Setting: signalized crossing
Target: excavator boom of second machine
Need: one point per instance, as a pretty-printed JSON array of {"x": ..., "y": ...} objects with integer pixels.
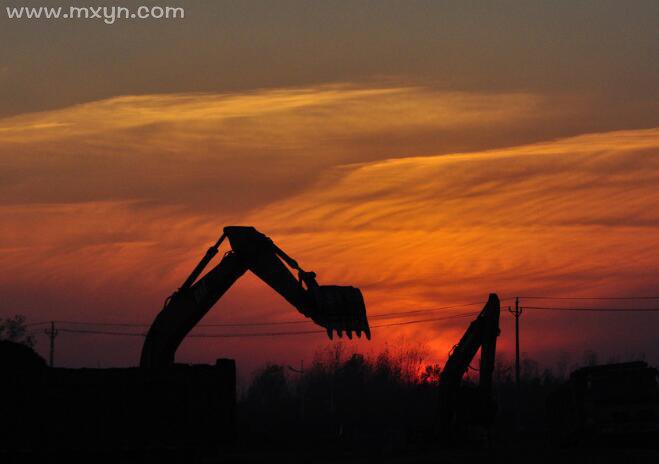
[
  {"x": 481, "y": 334},
  {"x": 336, "y": 308}
]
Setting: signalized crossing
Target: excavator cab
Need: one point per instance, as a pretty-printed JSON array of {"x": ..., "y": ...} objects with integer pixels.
[{"x": 333, "y": 307}]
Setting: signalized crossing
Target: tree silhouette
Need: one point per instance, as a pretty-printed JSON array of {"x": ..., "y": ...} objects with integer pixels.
[{"x": 14, "y": 329}]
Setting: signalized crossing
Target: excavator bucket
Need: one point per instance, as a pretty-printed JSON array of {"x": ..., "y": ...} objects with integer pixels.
[{"x": 342, "y": 309}]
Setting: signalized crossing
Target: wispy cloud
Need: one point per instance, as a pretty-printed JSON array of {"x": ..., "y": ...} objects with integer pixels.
[
  {"x": 203, "y": 150},
  {"x": 577, "y": 216}
]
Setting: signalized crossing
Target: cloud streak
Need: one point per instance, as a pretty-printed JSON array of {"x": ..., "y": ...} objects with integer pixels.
[
  {"x": 205, "y": 150},
  {"x": 577, "y": 216}
]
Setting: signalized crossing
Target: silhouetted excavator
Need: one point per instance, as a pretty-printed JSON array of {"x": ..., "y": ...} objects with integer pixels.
[
  {"x": 460, "y": 407},
  {"x": 179, "y": 407},
  {"x": 333, "y": 307}
]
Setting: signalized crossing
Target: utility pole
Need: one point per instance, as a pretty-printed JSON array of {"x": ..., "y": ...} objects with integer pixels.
[
  {"x": 517, "y": 312},
  {"x": 52, "y": 333}
]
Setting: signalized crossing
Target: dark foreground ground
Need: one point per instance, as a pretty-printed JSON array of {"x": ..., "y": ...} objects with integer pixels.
[
  {"x": 344, "y": 408},
  {"x": 582, "y": 455}
]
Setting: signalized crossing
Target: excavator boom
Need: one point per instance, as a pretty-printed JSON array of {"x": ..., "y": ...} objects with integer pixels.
[
  {"x": 482, "y": 334},
  {"x": 339, "y": 308}
]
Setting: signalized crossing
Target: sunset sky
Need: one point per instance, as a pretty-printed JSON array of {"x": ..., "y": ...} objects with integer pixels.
[{"x": 427, "y": 152}]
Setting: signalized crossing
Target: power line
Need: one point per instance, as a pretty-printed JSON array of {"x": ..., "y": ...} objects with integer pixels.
[
  {"x": 92, "y": 328},
  {"x": 305, "y": 332},
  {"x": 99, "y": 324},
  {"x": 391, "y": 315},
  {"x": 377, "y": 316},
  {"x": 418, "y": 311},
  {"x": 103, "y": 332},
  {"x": 619, "y": 310},
  {"x": 266, "y": 334},
  {"x": 606, "y": 298},
  {"x": 32, "y": 324},
  {"x": 454, "y": 316}
]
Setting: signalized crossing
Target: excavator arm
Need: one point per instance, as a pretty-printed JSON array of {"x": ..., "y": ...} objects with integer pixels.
[
  {"x": 482, "y": 334},
  {"x": 333, "y": 307}
]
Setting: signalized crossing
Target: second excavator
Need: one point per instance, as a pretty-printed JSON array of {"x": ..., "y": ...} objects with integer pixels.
[
  {"x": 336, "y": 308},
  {"x": 463, "y": 406}
]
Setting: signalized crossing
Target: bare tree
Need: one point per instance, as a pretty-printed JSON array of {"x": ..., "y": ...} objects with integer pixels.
[{"x": 14, "y": 329}]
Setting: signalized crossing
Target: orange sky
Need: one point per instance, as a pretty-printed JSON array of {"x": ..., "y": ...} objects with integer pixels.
[
  {"x": 428, "y": 152},
  {"x": 107, "y": 206}
]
